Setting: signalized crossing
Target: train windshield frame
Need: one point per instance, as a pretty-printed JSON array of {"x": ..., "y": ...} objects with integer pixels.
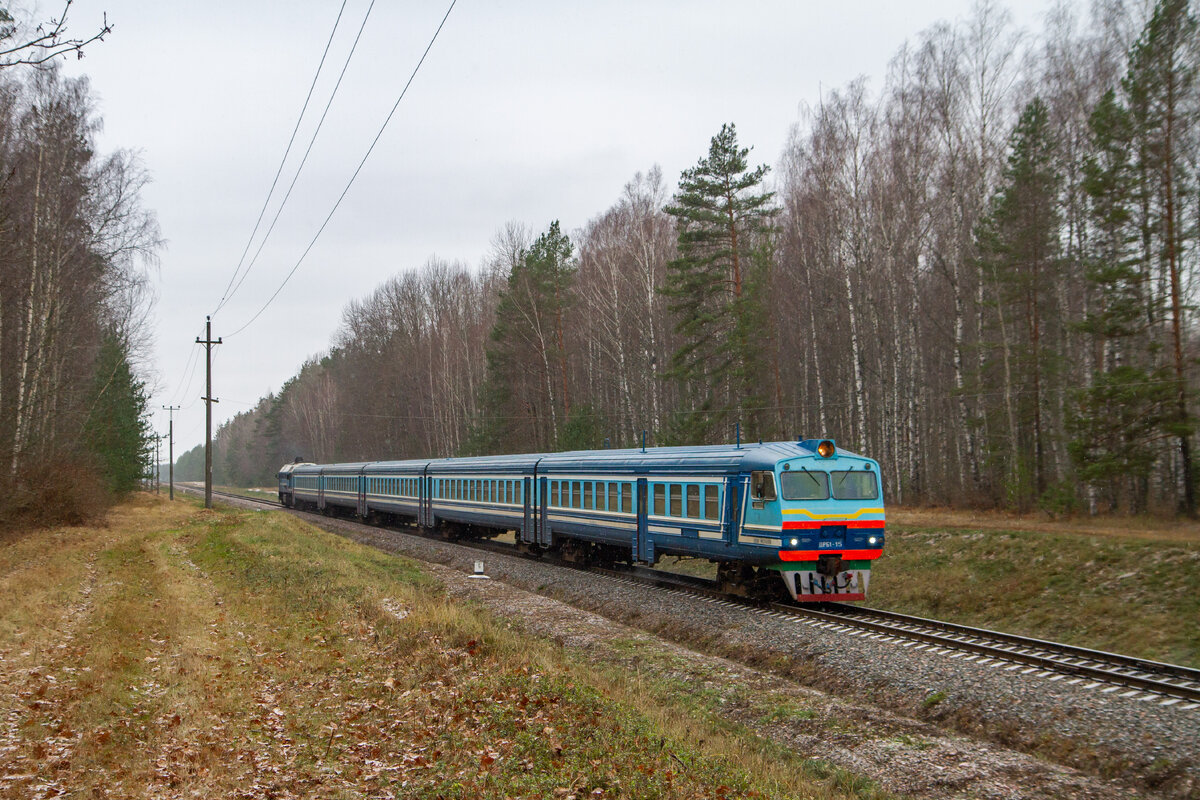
[
  {"x": 804, "y": 484},
  {"x": 855, "y": 485}
]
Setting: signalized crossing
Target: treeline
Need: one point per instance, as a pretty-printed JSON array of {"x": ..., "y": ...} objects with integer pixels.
[
  {"x": 73, "y": 300},
  {"x": 982, "y": 275}
]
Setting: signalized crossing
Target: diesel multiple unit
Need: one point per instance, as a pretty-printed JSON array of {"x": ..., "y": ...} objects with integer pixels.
[{"x": 806, "y": 511}]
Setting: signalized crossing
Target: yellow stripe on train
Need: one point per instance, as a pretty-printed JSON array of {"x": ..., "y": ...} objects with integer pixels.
[{"x": 839, "y": 515}]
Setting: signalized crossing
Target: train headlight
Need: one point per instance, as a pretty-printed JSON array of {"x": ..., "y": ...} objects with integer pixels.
[
  {"x": 872, "y": 540},
  {"x": 795, "y": 542},
  {"x": 826, "y": 449}
]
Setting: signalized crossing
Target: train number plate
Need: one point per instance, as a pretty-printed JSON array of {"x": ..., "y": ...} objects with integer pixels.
[{"x": 831, "y": 543}]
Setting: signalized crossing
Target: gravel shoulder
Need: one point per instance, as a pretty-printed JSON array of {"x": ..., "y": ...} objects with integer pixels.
[{"x": 917, "y": 723}]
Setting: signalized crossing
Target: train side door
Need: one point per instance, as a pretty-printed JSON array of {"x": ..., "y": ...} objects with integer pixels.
[
  {"x": 528, "y": 532},
  {"x": 362, "y": 495},
  {"x": 543, "y": 514},
  {"x": 733, "y": 510},
  {"x": 424, "y": 484},
  {"x": 321, "y": 490},
  {"x": 643, "y": 548}
]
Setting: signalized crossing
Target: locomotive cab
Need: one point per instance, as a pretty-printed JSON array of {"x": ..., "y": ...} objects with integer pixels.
[{"x": 829, "y": 507}]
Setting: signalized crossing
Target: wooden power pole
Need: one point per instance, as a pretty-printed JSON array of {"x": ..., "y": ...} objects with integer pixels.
[
  {"x": 171, "y": 446},
  {"x": 208, "y": 399}
]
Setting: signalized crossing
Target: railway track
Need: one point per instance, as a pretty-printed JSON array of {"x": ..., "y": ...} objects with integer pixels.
[{"x": 1110, "y": 673}]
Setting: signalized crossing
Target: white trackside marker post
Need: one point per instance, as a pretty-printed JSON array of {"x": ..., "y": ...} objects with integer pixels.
[{"x": 479, "y": 571}]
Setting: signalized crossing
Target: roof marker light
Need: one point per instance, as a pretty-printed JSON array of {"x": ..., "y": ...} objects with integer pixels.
[{"x": 826, "y": 449}]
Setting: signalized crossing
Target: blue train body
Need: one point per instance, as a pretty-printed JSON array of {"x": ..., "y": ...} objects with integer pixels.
[{"x": 807, "y": 511}]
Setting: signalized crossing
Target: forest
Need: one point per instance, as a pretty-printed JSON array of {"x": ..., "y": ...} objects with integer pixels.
[
  {"x": 75, "y": 248},
  {"x": 980, "y": 272}
]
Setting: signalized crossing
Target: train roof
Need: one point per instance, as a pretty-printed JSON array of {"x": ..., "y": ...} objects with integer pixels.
[{"x": 708, "y": 458}]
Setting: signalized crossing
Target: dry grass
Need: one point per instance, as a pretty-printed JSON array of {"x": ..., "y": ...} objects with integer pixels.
[
  {"x": 179, "y": 652},
  {"x": 1143, "y": 527}
]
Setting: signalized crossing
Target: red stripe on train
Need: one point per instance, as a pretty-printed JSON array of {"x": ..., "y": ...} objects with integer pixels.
[
  {"x": 849, "y": 523},
  {"x": 812, "y": 555}
]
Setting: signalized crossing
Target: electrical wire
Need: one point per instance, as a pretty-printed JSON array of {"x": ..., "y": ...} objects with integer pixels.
[
  {"x": 353, "y": 177},
  {"x": 308, "y": 150},
  {"x": 227, "y": 295}
]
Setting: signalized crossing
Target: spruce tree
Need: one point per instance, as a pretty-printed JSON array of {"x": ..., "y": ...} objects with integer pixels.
[
  {"x": 717, "y": 294},
  {"x": 116, "y": 431}
]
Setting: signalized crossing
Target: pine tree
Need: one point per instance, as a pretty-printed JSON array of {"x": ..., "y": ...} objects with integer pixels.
[
  {"x": 1127, "y": 402},
  {"x": 1160, "y": 86},
  {"x": 526, "y": 398},
  {"x": 1018, "y": 242},
  {"x": 116, "y": 431},
  {"x": 716, "y": 292}
]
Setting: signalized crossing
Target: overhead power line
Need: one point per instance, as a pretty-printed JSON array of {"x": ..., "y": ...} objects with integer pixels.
[
  {"x": 307, "y": 151},
  {"x": 353, "y": 177},
  {"x": 226, "y": 295}
]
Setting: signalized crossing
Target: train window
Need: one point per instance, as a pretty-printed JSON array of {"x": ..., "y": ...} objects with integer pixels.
[
  {"x": 613, "y": 497},
  {"x": 712, "y": 503},
  {"x": 762, "y": 485},
  {"x": 660, "y": 502},
  {"x": 587, "y": 495},
  {"x": 601, "y": 502},
  {"x": 676, "y": 500},
  {"x": 627, "y": 497},
  {"x": 851, "y": 485},
  {"x": 693, "y": 501}
]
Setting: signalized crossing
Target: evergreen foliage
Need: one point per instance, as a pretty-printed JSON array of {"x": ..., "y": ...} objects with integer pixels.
[
  {"x": 1018, "y": 243},
  {"x": 1136, "y": 181},
  {"x": 526, "y": 400},
  {"x": 716, "y": 291},
  {"x": 117, "y": 431}
]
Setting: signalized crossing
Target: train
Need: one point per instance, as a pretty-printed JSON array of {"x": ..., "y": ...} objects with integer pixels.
[{"x": 802, "y": 517}]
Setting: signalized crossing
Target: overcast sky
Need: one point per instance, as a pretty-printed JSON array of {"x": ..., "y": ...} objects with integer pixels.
[{"x": 526, "y": 111}]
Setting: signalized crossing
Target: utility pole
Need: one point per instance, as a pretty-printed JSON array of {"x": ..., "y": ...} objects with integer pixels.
[
  {"x": 157, "y": 464},
  {"x": 208, "y": 401},
  {"x": 171, "y": 444}
]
